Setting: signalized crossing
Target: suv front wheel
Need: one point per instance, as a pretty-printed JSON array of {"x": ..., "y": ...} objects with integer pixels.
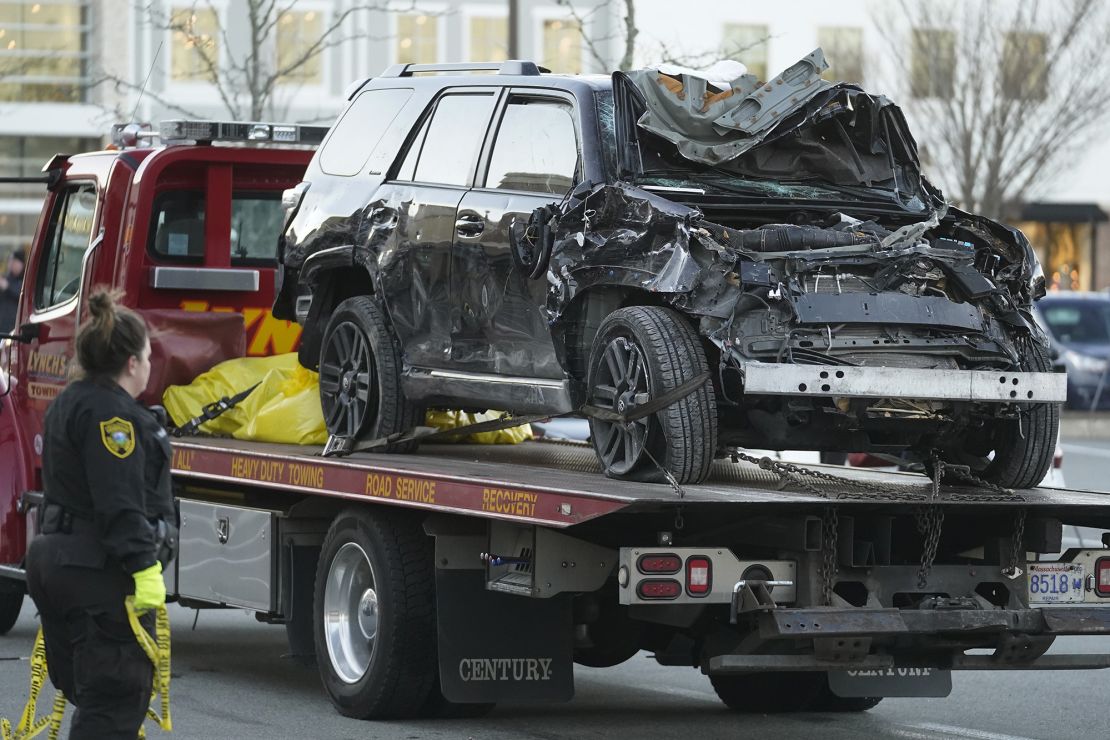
[
  {"x": 640, "y": 353},
  {"x": 360, "y": 376}
]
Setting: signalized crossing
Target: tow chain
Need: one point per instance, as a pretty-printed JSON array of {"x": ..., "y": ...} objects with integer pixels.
[
  {"x": 930, "y": 521},
  {"x": 156, "y": 650},
  {"x": 1017, "y": 547},
  {"x": 929, "y": 517},
  {"x": 830, "y": 528}
]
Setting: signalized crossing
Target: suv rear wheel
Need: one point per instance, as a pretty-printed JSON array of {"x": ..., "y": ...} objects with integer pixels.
[
  {"x": 360, "y": 376},
  {"x": 640, "y": 353}
]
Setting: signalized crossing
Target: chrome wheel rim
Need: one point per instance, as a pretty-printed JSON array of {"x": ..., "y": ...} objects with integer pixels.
[
  {"x": 620, "y": 385},
  {"x": 346, "y": 380},
  {"x": 350, "y": 613}
]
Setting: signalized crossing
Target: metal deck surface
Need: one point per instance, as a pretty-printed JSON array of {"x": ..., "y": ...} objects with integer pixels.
[{"x": 572, "y": 470}]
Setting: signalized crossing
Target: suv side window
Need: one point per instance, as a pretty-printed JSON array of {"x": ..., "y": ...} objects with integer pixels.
[
  {"x": 360, "y": 129},
  {"x": 447, "y": 147},
  {"x": 536, "y": 148},
  {"x": 70, "y": 232}
]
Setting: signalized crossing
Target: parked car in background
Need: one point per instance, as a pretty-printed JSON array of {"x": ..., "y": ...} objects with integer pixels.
[{"x": 1079, "y": 324}]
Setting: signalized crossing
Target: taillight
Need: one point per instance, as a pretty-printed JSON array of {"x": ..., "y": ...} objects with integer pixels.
[
  {"x": 658, "y": 588},
  {"x": 699, "y": 575},
  {"x": 659, "y": 563},
  {"x": 1102, "y": 576}
]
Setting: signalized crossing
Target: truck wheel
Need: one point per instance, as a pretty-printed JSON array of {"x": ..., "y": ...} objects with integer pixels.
[
  {"x": 640, "y": 353},
  {"x": 360, "y": 376},
  {"x": 375, "y": 615},
  {"x": 11, "y": 602},
  {"x": 1023, "y": 450}
]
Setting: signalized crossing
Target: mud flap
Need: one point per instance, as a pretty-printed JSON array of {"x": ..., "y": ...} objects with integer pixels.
[
  {"x": 892, "y": 682},
  {"x": 501, "y": 648}
]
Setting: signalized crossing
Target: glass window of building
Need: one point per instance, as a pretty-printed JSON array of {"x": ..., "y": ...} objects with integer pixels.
[
  {"x": 43, "y": 51},
  {"x": 1025, "y": 65},
  {"x": 843, "y": 47},
  {"x": 489, "y": 39},
  {"x": 417, "y": 39},
  {"x": 747, "y": 43},
  {"x": 297, "y": 32},
  {"x": 562, "y": 46},
  {"x": 196, "y": 50},
  {"x": 932, "y": 63},
  {"x": 24, "y": 156}
]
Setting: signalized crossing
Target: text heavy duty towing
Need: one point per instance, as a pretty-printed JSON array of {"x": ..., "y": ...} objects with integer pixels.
[{"x": 464, "y": 576}]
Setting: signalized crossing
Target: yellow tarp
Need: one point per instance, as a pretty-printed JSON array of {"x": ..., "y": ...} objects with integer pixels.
[{"x": 285, "y": 407}]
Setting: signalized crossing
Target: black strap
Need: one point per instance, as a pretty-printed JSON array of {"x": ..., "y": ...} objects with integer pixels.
[
  {"x": 338, "y": 446},
  {"x": 212, "y": 411}
]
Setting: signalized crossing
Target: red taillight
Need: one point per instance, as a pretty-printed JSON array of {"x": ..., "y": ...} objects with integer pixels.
[
  {"x": 658, "y": 588},
  {"x": 1102, "y": 576},
  {"x": 699, "y": 575},
  {"x": 659, "y": 563}
]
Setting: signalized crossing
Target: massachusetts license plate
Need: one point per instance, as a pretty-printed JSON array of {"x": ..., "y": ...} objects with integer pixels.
[{"x": 1055, "y": 583}]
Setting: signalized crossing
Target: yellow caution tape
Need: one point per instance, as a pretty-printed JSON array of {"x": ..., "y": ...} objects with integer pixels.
[{"x": 157, "y": 650}]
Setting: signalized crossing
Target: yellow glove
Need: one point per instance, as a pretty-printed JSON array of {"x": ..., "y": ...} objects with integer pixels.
[{"x": 150, "y": 589}]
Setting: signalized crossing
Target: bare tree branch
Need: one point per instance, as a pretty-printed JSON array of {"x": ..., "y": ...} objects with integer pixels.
[
  {"x": 254, "y": 82},
  {"x": 1027, "y": 85}
]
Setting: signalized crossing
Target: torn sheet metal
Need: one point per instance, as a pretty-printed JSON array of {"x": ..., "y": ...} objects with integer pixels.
[{"x": 796, "y": 127}]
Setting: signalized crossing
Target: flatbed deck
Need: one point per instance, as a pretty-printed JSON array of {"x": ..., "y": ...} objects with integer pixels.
[{"x": 559, "y": 484}]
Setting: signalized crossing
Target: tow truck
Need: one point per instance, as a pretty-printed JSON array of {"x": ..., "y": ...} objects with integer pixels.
[{"x": 464, "y": 576}]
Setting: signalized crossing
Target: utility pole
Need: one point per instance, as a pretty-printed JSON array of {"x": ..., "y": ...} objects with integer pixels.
[{"x": 514, "y": 35}]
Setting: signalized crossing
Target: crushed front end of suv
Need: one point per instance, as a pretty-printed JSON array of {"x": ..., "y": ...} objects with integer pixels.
[{"x": 747, "y": 263}]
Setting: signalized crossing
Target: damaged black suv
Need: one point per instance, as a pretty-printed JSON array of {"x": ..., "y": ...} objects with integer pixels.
[{"x": 765, "y": 255}]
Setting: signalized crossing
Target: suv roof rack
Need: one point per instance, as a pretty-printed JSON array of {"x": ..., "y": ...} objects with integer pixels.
[{"x": 517, "y": 67}]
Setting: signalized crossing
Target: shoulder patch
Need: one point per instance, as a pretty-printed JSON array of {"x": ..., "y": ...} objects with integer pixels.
[{"x": 118, "y": 435}]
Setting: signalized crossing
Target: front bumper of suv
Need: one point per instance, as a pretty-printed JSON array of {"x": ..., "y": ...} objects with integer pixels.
[{"x": 894, "y": 382}]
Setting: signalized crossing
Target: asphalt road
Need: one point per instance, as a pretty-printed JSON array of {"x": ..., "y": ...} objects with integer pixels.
[
  {"x": 1086, "y": 463},
  {"x": 230, "y": 681}
]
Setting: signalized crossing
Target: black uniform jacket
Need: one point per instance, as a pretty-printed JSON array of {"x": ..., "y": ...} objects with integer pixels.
[{"x": 106, "y": 460}]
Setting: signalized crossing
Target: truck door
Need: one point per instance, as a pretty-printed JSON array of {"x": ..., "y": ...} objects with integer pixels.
[
  {"x": 533, "y": 160},
  {"x": 52, "y": 290},
  {"x": 416, "y": 209}
]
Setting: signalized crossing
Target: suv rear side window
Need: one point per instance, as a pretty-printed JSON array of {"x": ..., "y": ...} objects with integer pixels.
[
  {"x": 177, "y": 230},
  {"x": 71, "y": 228},
  {"x": 536, "y": 148},
  {"x": 444, "y": 152},
  {"x": 360, "y": 129}
]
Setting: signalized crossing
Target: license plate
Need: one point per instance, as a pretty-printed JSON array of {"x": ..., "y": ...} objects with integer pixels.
[{"x": 1055, "y": 583}]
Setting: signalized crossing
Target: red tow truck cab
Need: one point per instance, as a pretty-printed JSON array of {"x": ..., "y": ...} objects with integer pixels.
[{"x": 187, "y": 231}]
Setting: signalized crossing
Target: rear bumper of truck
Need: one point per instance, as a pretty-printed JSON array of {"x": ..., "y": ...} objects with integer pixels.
[{"x": 843, "y": 639}]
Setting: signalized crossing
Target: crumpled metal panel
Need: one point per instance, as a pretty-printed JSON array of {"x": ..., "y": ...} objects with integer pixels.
[{"x": 715, "y": 125}]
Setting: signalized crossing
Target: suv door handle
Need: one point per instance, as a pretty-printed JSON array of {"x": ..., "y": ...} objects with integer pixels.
[{"x": 469, "y": 224}]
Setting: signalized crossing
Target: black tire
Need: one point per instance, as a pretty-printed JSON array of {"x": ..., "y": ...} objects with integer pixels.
[
  {"x": 11, "y": 602},
  {"x": 777, "y": 693},
  {"x": 360, "y": 376},
  {"x": 682, "y": 438},
  {"x": 401, "y": 668},
  {"x": 1023, "y": 450}
]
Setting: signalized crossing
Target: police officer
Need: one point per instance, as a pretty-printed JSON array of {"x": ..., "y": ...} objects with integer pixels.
[{"x": 107, "y": 526}]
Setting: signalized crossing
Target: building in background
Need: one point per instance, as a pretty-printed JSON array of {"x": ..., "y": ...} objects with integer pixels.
[{"x": 70, "y": 68}]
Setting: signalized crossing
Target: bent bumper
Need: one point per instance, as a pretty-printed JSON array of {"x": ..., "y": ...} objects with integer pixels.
[{"x": 766, "y": 378}]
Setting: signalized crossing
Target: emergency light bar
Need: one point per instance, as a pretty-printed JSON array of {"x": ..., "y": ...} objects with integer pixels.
[{"x": 208, "y": 131}]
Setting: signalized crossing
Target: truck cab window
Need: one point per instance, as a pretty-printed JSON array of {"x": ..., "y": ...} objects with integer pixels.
[
  {"x": 536, "y": 148},
  {"x": 70, "y": 231},
  {"x": 178, "y": 227}
]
